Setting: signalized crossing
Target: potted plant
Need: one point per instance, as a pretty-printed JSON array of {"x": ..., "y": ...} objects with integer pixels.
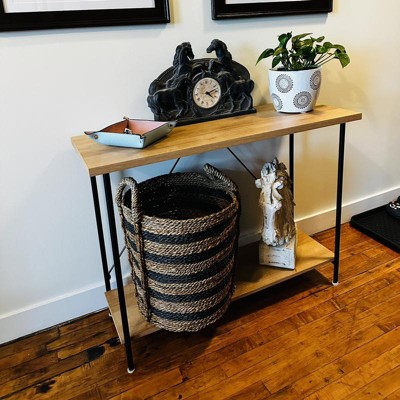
[{"x": 295, "y": 76}]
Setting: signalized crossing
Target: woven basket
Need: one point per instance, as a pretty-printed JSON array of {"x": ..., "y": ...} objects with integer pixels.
[{"x": 181, "y": 232}]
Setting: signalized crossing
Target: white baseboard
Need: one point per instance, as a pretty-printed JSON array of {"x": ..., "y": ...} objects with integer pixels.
[
  {"x": 52, "y": 312},
  {"x": 89, "y": 299},
  {"x": 46, "y": 314},
  {"x": 326, "y": 219}
]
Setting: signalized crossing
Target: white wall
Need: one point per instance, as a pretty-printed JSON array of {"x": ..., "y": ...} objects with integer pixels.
[{"x": 55, "y": 84}]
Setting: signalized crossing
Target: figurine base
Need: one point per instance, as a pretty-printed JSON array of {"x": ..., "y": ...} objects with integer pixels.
[{"x": 283, "y": 256}]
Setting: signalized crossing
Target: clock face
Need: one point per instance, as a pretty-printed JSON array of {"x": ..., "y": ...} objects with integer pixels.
[{"x": 207, "y": 93}]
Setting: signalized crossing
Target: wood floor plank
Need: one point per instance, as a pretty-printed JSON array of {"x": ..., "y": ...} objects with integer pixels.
[
  {"x": 274, "y": 361},
  {"x": 261, "y": 371},
  {"x": 28, "y": 367},
  {"x": 193, "y": 347},
  {"x": 336, "y": 346},
  {"x": 112, "y": 382},
  {"x": 349, "y": 383},
  {"x": 350, "y": 237},
  {"x": 302, "y": 339},
  {"x": 30, "y": 342},
  {"x": 80, "y": 335},
  {"x": 381, "y": 387},
  {"x": 88, "y": 343},
  {"x": 147, "y": 389},
  {"x": 309, "y": 384},
  {"x": 21, "y": 357},
  {"x": 215, "y": 358},
  {"x": 210, "y": 360},
  {"x": 356, "y": 335},
  {"x": 393, "y": 396},
  {"x": 85, "y": 322},
  {"x": 92, "y": 394},
  {"x": 269, "y": 333},
  {"x": 256, "y": 391},
  {"x": 208, "y": 378},
  {"x": 40, "y": 381},
  {"x": 342, "y": 317}
]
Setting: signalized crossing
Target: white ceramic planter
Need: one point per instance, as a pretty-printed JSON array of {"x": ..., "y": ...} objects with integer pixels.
[{"x": 294, "y": 91}]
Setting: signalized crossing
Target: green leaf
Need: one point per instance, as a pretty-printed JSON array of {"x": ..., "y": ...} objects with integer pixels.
[
  {"x": 343, "y": 58},
  {"x": 284, "y": 36},
  {"x": 306, "y": 50},
  {"x": 265, "y": 54},
  {"x": 327, "y": 45},
  {"x": 276, "y": 61},
  {"x": 301, "y": 36},
  {"x": 339, "y": 47},
  {"x": 307, "y": 42},
  {"x": 279, "y": 50},
  {"x": 284, "y": 39},
  {"x": 321, "y": 49}
]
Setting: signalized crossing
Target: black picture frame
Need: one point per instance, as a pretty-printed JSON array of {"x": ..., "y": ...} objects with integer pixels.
[
  {"x": 221, "y": 10},
  {"x": 83, "y": 18}
]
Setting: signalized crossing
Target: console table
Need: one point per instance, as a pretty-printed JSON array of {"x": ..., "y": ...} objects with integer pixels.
[{"x": 199, "y": 138}]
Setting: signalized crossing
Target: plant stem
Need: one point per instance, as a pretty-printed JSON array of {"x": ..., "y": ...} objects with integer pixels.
[
  {"x": 322, "y": 56},
  {"x": 323, "y": 61}
]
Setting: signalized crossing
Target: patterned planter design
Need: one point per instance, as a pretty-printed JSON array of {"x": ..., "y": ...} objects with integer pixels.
[{"x": 294, "y": 91}]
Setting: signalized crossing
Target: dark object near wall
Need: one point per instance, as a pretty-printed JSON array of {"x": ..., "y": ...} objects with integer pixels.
[
  {"x": 201, "y": 90},
  {"x": 181, "y": 231},
  {"x": 18, "y": 21},
  {"x": 221, "y": 10},
  {"x": 380, "y": 225}
]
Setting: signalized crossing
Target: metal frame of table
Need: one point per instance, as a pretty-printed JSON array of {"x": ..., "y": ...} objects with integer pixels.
[{"x": 349, "y": 116}]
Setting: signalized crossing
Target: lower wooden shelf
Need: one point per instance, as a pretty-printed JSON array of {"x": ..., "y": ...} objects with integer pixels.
[{"x": 251, "y": 277}]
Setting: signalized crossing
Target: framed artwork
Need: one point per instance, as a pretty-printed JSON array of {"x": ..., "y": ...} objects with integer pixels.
[
  {"x": 16, "y": 15},
  {"x": 224, "y": 9}
]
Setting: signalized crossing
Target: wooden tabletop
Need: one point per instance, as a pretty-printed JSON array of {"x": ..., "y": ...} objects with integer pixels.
[{"x": 207, "y": 136}]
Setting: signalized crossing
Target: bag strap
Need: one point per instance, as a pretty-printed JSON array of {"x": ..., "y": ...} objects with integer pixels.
[{"x": 136, "y": 220}]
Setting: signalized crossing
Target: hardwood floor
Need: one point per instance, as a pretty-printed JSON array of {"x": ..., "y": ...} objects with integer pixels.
[{"x": 302, "y": 339}]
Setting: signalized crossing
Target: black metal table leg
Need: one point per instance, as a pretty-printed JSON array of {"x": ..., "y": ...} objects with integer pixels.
[
  {"x": 339, "y": 204},
  {"x": 100, "y": 233},
  {"x": 291, "y": 160},
  {"x": 118, "y": 272}
]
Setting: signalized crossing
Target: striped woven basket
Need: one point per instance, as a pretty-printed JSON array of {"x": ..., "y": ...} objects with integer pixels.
[{"x": 181, "y": 231}]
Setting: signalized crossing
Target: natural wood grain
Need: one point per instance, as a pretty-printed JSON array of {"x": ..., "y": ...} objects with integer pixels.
[
  {"x": 300, "y": 339},
  {"x": 170, "y": 378},
  {"x": 32, "y": 343},
  {"x": 138, "y": 326},
  {"x": 251, "y": 277},
  {"x": 199, "y": 138},
  {"x": 39, "y": 379}
]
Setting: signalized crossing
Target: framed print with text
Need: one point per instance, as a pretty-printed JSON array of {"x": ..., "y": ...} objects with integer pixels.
[
  {"x": 16, "y": 15},
  {"x": 224, "y": 9}
]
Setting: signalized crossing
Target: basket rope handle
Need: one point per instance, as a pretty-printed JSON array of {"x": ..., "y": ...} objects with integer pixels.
[
  {"x": 136, "y": 220},
  {"x": 215, "y": 174},
  {"x": 226, "y": 183},
  {"x": 131, "y": 184}
]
